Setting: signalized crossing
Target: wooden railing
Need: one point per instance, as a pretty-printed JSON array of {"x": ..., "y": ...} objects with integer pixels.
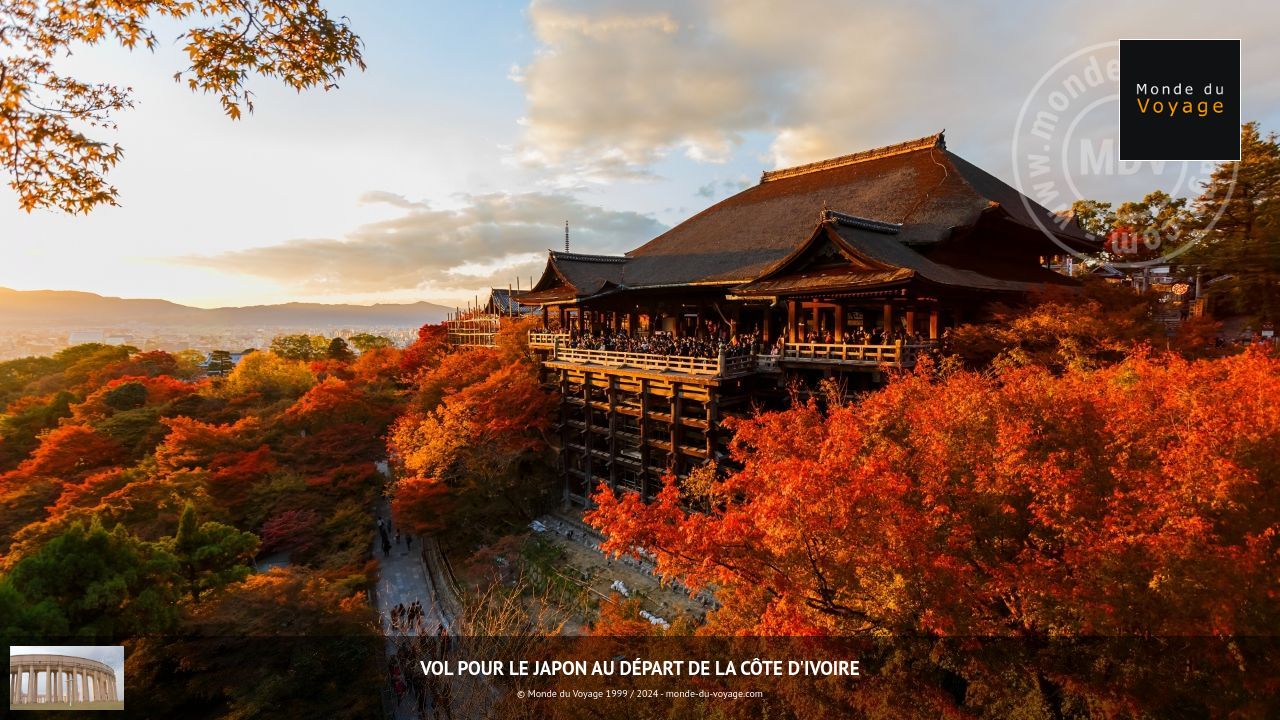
[
  {"x": 547, "y": 340},
  {"x": 642, "y": 361},
  {"x": 739, "y": 365},
  {"x": 896, "y": 354}
]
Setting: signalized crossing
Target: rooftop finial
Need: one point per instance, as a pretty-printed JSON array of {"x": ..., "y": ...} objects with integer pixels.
[{"x": 566, "y": 236}]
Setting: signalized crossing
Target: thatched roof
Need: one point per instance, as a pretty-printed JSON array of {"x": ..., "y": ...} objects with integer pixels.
[
  {"x": 918, "y": 185},
  {"x": 869, "y": 254},
  {"x": 574, "y": 275}
]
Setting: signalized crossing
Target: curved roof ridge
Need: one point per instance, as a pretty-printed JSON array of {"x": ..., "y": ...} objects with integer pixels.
[
  {"x": 583, "y": 257},
  {"x": 842, "y": 218},
  {"x": 930, "y": 141}
]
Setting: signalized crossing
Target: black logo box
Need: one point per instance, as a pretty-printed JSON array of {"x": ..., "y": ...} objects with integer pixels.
[{"x": 1187, "y": 68}]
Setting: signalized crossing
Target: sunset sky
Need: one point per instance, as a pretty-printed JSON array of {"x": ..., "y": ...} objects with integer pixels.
[{"x": 452, "y": 163}]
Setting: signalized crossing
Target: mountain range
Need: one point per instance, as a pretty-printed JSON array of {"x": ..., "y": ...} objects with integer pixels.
[{"x": 23, "y": 309}]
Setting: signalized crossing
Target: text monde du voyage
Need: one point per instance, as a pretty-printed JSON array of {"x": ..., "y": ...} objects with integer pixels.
[{"x": 1180, "y": 99}]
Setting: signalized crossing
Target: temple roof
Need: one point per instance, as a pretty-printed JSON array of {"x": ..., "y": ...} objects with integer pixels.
[
  {"x": 505, "y": 301},
  {"x": 926, "y": 191},
  {"x": 574, "y": 275},
  {"x": 870, "y": 255}
]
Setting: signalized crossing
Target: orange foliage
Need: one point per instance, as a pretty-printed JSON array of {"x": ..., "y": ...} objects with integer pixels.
[
  {"x": 426, "y": 351},
  {"x": 377, "y": 365},
  {"x": 335, "y": 402},
  {"x": 479, "y": 430},
  {"x": 144, "y": 364},
  {"x": 193, "y": 444},
  {"x": 234, "y": 472},
  {"x": 1095, "y": 324},
  {"x": 1133, "y": 499},
  {"x": 420, "y": 504},
  {"x": 159, "y": 390},
  {"x": 455, "y": 371},
  {"x": 68, "y": 452},
  {"x": 620, "y": 617},
  {"x": 330, "y": 368}
]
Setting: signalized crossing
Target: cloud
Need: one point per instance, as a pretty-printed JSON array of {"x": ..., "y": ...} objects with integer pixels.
[
  {"x": 489, "y": 240},
  {"x": 383, "y": 197},
  {"x": 618, "y": 85},
  {"x": 720, "y": 188}
]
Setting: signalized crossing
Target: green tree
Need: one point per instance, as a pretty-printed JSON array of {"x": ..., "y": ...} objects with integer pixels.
[
  {"x": 287, "y": 642},
  {"x": 364, "y": 342},
  {"x": 17, "y": 374},
  {"x": 1242, "y": 247},
  {"x": 190, "y": 364},
  {"x": 1151, "y": 226},
  {"x": 91, "y": 581},
  {"x": 220, "y": 363},
  {"x": 126, "y": 396},
  {"x": 1094, "y": 216},
  {"x": 46, "y": 116},
  {"x": 268, "y": 375},
  {"x": 300, "y": 346},
  {"x": 23, "y": 421},
  {"x": 339, "y": 350},
  {"x": 209, "y": 554}
]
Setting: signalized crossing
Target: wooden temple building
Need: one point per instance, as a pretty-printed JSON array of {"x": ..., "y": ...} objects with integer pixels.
[
  {"x": 478, "y": 325},
  {"x": 840, "y": 268}
]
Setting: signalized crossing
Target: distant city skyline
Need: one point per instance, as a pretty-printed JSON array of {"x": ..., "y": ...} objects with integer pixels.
[{"x": 451, "y": 164}]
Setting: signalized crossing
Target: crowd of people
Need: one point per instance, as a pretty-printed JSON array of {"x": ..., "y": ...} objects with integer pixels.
[
  {"x": 711, "y": 344},
  {"x": 384, "y": 530},
  {"x": 430, "y": 694},
  {"x": 863, "y": 336},
  {"x": 408, "y": 618},
  {"x": 664, "y": 343}
]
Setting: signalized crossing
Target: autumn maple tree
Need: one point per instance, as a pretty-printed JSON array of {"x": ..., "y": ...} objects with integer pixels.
[
  {"x": 476, "y": 421},
  {"x": 133, "y": 493},
  {"x": 1082, "y": 327},
  {"x": 51, "y": 122},
  {"x": 1131, "y": 499}
]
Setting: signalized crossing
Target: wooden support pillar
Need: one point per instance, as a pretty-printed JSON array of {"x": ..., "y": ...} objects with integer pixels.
[
  {"x": 793, "y": 331},
  {"x": 933, "y": 323},
  {"x": 564, "y": 433},
  {"x": 633, "y": 323},
  {"x": 911, "y": 321},
  {"x": 766, "y": 331},
  {"x": 587, "y": 436},
  {"x": 677, "y": 410},
  {"x": 616, "y": 321},
  {"x": 613, "y": 430},
  {"x": 888, "y": 319},
  {"x": 713, "y": 423},
  {"x": 546, "y": 317},
  {"x": 645, "y": 486},
  {"x": 838, "y": 335}
]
